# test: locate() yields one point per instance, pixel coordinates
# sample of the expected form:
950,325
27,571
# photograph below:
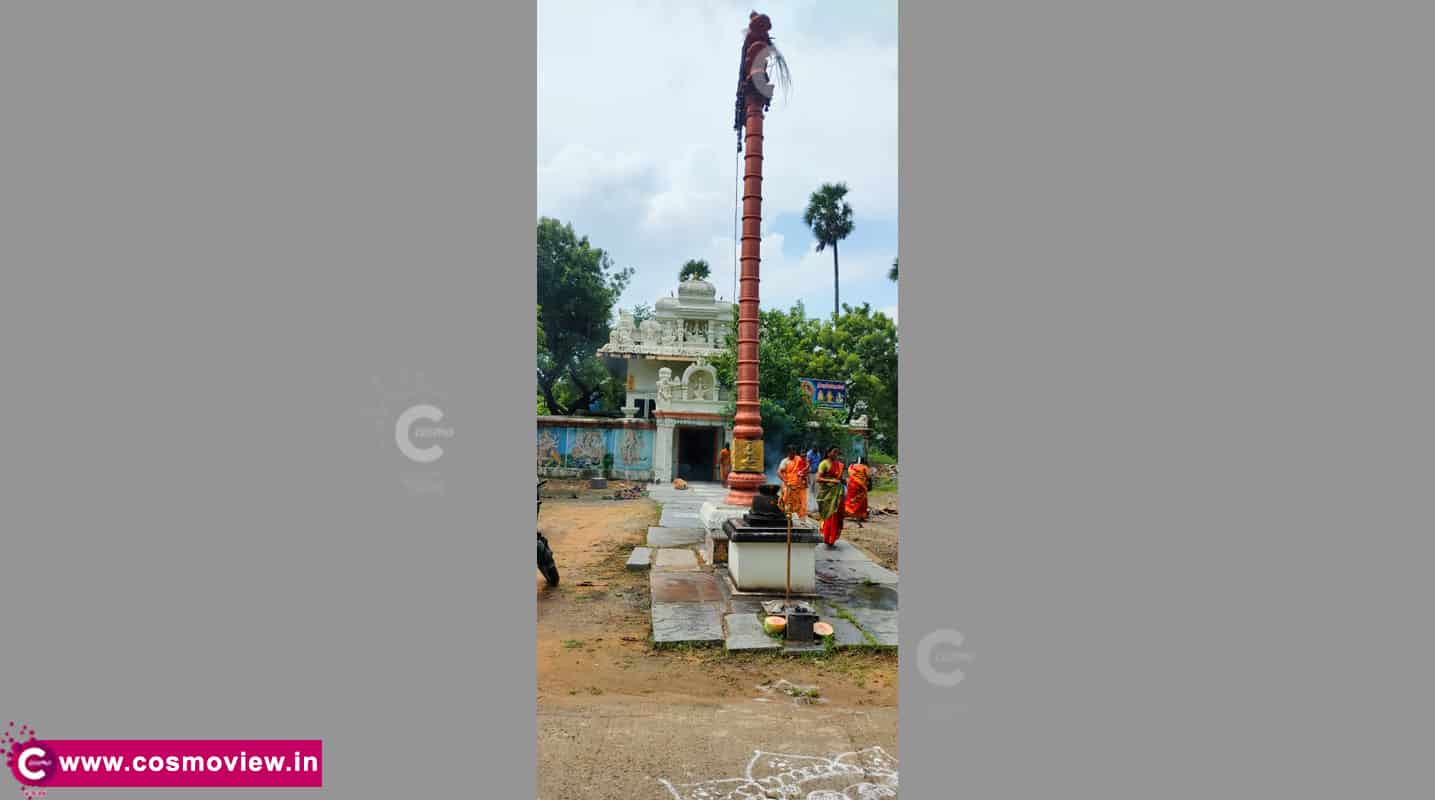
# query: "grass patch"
686,647
573,644
885,487
843,613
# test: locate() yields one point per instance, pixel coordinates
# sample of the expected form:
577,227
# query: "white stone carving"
624,333
650,332
700,382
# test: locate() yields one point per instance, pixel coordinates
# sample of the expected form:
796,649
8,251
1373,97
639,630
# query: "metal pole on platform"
787,590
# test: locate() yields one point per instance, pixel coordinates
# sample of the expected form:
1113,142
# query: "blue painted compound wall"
567,449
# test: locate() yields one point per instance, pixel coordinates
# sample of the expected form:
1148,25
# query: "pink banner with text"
161,763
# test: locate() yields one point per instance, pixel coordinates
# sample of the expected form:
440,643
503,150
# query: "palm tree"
695,268
830,218
892,273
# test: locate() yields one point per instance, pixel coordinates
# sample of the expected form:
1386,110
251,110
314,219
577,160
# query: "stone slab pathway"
685,587
672,558
641,558
744,632
697,623
675,537
693,602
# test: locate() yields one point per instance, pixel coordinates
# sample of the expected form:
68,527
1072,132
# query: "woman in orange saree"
793,474
724,464
829,496
859,478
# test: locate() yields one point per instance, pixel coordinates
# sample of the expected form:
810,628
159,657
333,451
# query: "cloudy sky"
636,147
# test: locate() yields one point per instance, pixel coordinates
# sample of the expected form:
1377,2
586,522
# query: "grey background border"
237,236
1176,508
1167,401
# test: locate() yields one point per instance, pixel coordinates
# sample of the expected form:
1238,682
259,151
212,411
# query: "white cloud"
636,146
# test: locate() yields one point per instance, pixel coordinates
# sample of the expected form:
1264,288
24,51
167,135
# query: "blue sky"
636,147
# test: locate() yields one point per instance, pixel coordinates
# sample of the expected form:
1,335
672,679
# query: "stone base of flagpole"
742,488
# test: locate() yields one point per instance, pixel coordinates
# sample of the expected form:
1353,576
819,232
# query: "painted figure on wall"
632,448
549,451
587,450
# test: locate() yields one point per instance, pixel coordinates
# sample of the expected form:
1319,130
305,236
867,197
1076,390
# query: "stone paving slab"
670,558
844,633
674,519
746,605
687,622
696,493
803,648
877,596
744,632
848,570
674,537
684,587
641,558
882,625
844,551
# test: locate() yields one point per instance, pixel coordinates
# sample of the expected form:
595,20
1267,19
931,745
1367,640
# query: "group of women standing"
839,496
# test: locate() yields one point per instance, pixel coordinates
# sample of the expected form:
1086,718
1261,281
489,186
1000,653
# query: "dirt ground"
593,629
616,714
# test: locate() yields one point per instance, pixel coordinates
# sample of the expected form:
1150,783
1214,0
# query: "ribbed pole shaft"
747,472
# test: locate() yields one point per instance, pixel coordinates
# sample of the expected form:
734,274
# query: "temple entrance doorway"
697,452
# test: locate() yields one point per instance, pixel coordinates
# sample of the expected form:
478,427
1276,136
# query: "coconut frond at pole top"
758,27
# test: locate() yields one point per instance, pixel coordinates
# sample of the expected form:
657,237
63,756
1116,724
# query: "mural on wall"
634,449
584,448
587,449
550,448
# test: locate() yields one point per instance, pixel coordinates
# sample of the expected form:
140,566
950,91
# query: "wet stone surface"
687,622
685,587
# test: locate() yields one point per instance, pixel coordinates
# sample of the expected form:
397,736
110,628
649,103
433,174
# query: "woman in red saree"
859,480
829,496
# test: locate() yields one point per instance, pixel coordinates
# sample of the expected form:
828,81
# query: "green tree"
641,312
783,405
892,273
859,348
577,288
829,216
695,268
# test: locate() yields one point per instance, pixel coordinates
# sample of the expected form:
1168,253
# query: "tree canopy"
578,286
829,215
859,348
695,268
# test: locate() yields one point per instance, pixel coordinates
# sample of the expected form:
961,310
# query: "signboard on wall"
825,394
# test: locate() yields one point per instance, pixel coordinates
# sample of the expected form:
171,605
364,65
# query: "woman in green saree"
829,496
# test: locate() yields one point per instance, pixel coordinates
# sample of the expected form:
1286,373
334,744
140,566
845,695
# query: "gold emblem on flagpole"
747,455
